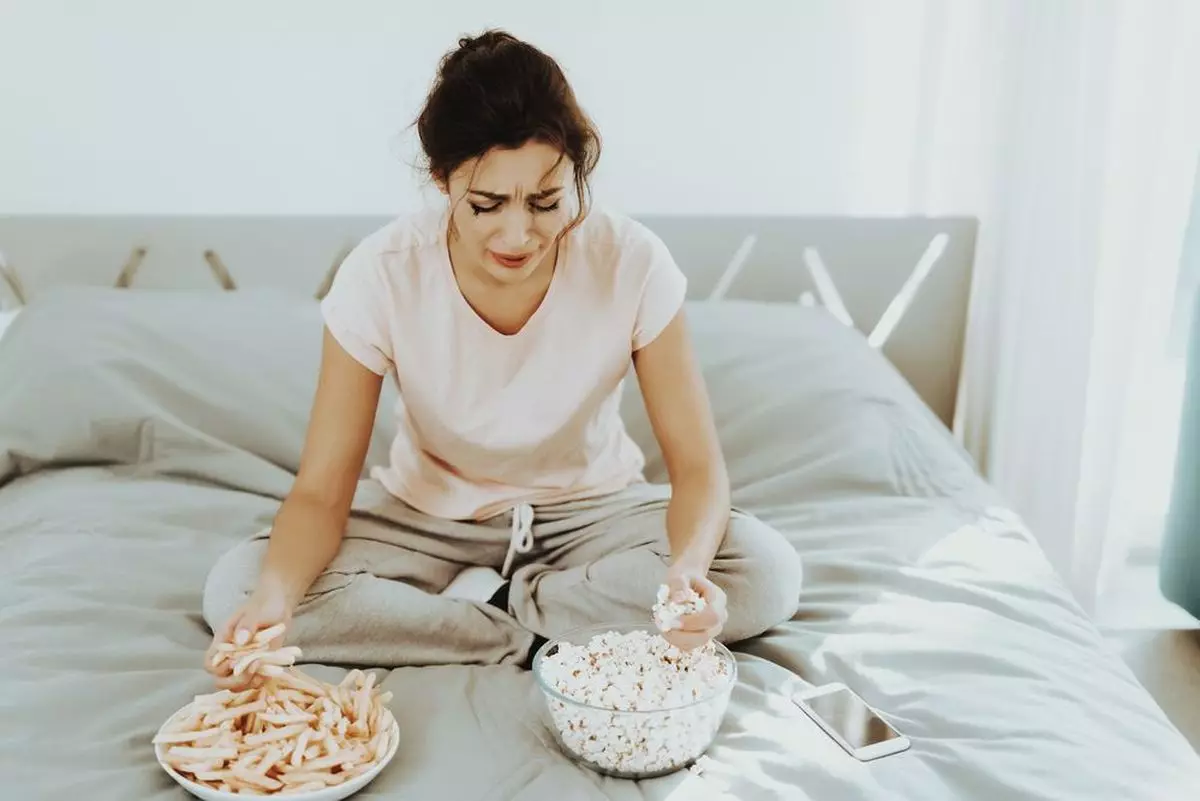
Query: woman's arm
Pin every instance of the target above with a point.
(308, 529)
(698, 512)
(677, 405)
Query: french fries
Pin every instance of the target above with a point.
(294, 734)
(251, 654)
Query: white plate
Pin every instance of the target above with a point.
(328, 794)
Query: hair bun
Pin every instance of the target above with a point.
(469, 46)
(485, 41)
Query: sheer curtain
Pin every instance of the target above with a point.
(1072, 131)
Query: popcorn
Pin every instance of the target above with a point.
(650, 723)
(668, 612)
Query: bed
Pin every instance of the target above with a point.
(144, 430)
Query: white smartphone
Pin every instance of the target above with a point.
(851, 722)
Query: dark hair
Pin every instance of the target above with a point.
(495, 90)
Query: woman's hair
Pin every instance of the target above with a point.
(494, 90)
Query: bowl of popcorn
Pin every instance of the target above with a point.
(624, 702)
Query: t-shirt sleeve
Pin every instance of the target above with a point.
(355, 310)
(663, 291)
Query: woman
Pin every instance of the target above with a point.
(513, 507)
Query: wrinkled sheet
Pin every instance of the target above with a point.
(129, 462)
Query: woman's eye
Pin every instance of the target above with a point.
(551, 207)
(483, 209)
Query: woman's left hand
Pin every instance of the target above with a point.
(698, 629)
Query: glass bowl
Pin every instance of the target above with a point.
(635, 744)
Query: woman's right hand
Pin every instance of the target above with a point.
(264, 608)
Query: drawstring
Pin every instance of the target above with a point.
(522, 535)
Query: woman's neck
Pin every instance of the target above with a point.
(504, 307)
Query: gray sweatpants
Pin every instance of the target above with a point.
(598, 561)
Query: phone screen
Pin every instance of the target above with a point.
(845, 713)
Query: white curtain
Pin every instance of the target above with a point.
(1071, 129)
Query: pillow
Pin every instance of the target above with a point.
(806, 410)
(217, 385)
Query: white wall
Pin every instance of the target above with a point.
(301, 107)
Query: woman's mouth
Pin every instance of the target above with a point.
(511, 261)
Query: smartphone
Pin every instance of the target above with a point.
(851, 722)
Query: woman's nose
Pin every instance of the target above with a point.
(516, 230)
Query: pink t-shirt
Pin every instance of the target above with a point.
(487, 420)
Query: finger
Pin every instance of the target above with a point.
(677, 586)
(215, 669)
(225, 632)
(221, 670)
(246, 627)
(235, 683)
(714, 598)
(687, 640)
(707, 590)
(704, 620)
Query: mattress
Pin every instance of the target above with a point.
(143, 433)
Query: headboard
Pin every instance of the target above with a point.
(904, 282)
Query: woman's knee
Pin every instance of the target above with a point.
(761, 574)
(231, 579)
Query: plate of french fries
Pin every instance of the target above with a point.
(292, 735)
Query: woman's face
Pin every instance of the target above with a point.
(509, 206)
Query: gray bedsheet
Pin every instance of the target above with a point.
(141, 434)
